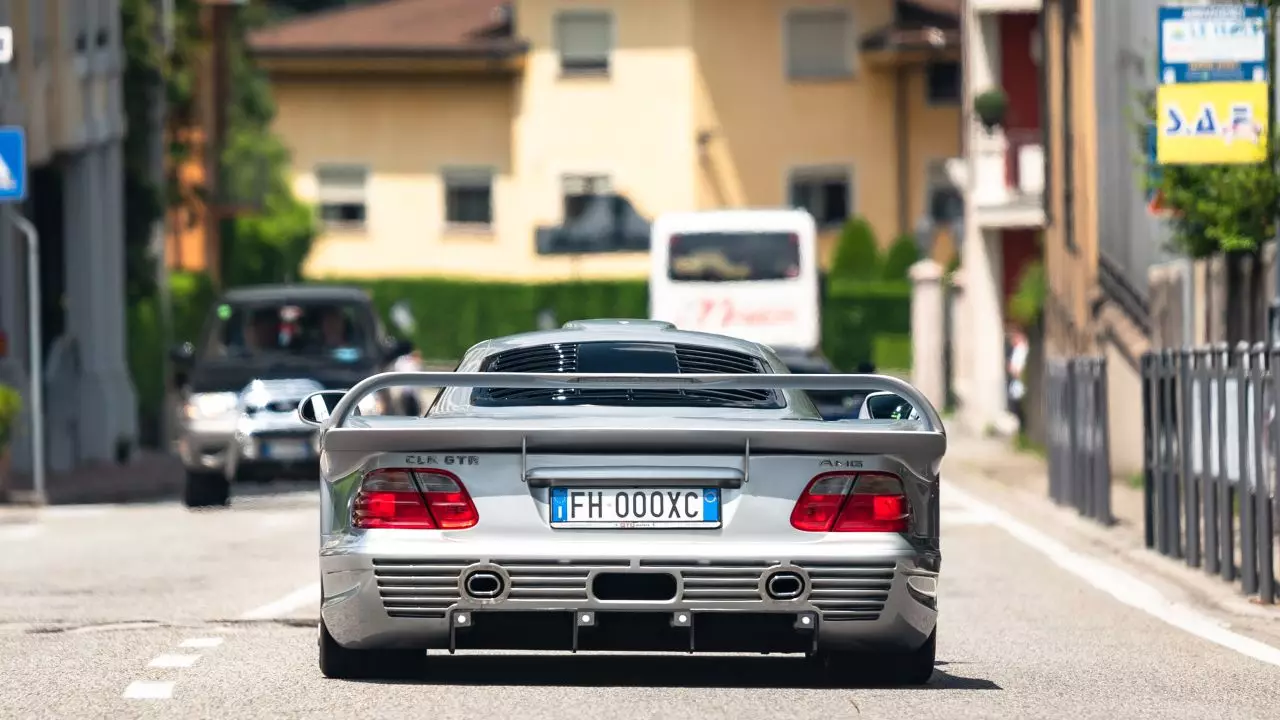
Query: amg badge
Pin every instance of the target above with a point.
(841, 463)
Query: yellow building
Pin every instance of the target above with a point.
(477, 138)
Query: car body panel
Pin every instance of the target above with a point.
(395, 588)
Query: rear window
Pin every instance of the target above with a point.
(341, 331)
(639, 358)
(733, 256)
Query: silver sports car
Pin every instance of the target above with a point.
(627, 486)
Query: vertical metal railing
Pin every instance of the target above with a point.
(1210, 443)
(1078, 435)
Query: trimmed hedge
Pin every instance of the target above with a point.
(862, 319)
(191, 295)
(867, 320)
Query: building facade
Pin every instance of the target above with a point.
(539, 138)
(64, 88)
(1003, 176)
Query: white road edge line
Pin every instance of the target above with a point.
(20, 532)
(173, 661)
(145, 690)
(1119, 584)
(298, 598)
(201, 642)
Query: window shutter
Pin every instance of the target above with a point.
(818, 43)
(584, 38)
(339, 184)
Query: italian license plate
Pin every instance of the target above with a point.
(286, 449)
(635, 507)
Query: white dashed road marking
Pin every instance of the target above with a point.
(149, 691)
(174, 661)
(163, 689)
(208, 642)
(299, 598)
(1119, 584)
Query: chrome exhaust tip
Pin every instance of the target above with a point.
(784, 586)
(484, 585)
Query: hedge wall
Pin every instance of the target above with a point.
(862, 320)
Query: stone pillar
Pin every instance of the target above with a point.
(125, 395)
(88, 263)
(985, 396)
(928, 330)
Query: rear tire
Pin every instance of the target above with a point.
(341, 663)
(899, 669)
(203, 489)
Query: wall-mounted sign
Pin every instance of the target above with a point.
(1212, 123)
(1213, 43)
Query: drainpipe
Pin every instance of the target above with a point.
(1067, 21)
(902, 115)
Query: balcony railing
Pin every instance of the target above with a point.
(1009, 168)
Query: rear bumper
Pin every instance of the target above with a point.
(886, 601)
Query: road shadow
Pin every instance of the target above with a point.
(660, 671)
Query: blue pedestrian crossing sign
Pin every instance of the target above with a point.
(13, 165)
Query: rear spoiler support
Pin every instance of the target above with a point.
(614, 381)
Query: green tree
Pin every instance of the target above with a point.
(857, 253)
(143, 202)
(903, 253)
(270, 244)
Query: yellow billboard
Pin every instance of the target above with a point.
(1221, 123)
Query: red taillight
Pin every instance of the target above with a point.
(852, 502)
(391, 498)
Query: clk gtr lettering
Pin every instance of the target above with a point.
(437, 460)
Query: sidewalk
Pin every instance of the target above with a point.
(1019, 482)
(997, 460)
(150, 475)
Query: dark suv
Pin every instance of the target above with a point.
(261, 351)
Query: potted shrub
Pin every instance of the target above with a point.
(990, 107)
(10, 406)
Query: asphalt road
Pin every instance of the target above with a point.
(155, 611)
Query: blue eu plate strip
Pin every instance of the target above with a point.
(559, 504)
(711, 505)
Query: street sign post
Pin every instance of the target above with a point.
(13, 191)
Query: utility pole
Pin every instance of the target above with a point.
(35, 346)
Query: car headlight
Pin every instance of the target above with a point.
(206, 406)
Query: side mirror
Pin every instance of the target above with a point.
(183, 354)
(402, 317)
(316, 408)
(886, 406)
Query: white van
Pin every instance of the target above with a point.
(747, 273)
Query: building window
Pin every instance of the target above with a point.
(827, 193)
(585, 40)
(819, 43)
(579, 191)
(468, 197)
(942, 82)
(341, 195)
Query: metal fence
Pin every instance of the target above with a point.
(1210, 442)
(1075, 411)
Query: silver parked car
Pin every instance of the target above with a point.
(624, 485)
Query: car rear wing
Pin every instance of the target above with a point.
(613, 381)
